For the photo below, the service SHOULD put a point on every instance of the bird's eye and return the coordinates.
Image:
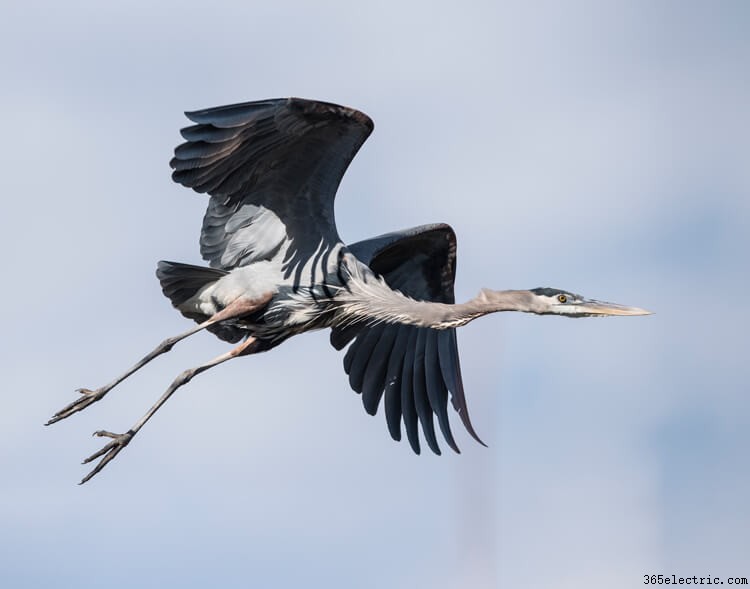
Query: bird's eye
(562, 298)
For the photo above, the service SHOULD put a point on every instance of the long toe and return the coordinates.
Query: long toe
(88, 397)
(108, 452)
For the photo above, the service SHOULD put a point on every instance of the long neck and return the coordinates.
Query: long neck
(374, 301)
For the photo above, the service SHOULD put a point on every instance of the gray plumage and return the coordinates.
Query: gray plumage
(277, 267)
(250, 217)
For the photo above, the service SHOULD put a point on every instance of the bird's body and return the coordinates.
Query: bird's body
(289, 311)
(277, 268)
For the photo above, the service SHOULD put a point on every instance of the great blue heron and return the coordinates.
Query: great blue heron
(279, 268)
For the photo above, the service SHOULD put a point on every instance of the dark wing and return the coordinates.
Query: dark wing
(412, 369)
(272, 168)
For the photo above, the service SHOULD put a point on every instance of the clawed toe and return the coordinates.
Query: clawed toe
(109, 451)
(105, 434)
(88, 397)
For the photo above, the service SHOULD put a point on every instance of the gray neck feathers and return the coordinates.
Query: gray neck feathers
(369, 299)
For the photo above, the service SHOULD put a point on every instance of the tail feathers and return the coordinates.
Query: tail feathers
(180, 282)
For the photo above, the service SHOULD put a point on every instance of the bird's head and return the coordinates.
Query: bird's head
(552, 301)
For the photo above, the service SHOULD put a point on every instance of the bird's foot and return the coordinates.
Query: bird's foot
(87, 398)
(112, 449)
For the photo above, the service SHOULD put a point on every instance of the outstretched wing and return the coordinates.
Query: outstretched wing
(412, 369)
(272, 168)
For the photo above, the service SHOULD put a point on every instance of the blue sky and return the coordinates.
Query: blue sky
(599, 147)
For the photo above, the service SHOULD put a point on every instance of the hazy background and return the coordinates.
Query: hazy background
(600, 147)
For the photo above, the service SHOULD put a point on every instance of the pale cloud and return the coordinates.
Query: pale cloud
(599, 148)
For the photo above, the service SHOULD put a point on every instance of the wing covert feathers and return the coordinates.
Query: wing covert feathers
(272, 168)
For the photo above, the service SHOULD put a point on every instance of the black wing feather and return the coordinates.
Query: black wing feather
(451, 369)
(374, 382)
(362, 358)
(351, 353)
(392, 391)
(421, 402)
(285, 155)
(420, 262)
(409, 411)
(436, 389)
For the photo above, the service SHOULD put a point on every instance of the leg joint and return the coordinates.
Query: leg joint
(167, 344)
(184, 377)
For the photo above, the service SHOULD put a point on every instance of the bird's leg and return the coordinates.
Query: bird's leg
(234, 310)
(119, 441)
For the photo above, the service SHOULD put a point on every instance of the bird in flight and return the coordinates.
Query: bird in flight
(277, 267)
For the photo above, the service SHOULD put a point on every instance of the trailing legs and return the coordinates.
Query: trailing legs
(237, 309)
(119, 441)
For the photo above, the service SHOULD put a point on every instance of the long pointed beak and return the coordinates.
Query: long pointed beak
(605, 309)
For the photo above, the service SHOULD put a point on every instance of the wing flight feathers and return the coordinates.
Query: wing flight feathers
(274, 163)
(421, 371)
